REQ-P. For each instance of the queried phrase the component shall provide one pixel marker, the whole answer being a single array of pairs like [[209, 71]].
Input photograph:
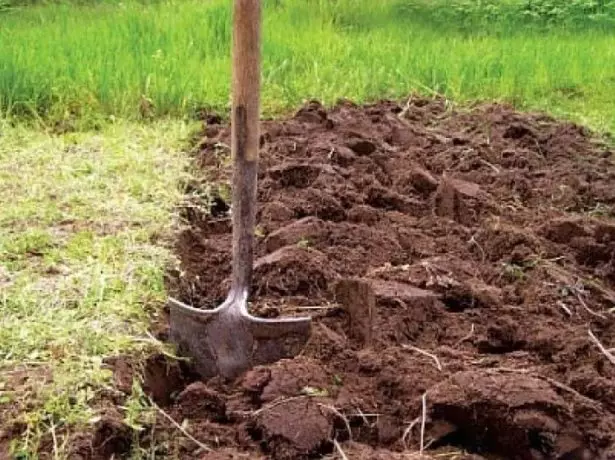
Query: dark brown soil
[[486, 241], [460, 259]]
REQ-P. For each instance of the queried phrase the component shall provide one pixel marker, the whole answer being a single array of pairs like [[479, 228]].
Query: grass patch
[[84, 217], [172, 56]]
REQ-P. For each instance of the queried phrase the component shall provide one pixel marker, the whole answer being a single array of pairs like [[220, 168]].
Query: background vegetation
[[101, 60]]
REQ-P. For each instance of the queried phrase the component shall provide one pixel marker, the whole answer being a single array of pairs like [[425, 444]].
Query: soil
[[460, 256], [459, 259]]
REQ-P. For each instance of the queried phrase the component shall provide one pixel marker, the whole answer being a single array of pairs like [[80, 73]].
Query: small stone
[[468, 189]]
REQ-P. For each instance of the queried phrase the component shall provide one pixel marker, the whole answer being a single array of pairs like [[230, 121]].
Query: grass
[[171, 57], [82, 229]]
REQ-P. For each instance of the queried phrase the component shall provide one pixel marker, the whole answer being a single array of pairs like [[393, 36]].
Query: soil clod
[[423, 181], [359, 301], [198, 402], [458, 200], [111, 437], [294, 429]]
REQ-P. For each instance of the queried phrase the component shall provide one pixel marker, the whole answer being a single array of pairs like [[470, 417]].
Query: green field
[[97, 101], [132, 60]]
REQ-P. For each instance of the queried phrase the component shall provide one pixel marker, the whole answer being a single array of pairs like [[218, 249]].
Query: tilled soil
[[486, 239]]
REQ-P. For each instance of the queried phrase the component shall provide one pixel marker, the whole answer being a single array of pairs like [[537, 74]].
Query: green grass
[[84, 65], [82, 225]]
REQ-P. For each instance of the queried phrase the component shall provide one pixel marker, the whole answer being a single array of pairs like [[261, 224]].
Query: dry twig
[[602, 348], [339, 449], [477, 244], [553, 382], [364, 416], [564, 307], [340, 415], [584, 305], [485, 162], [424, 353], [56, 452], [180, 428], [423, 418], [408, 431], [466, 337], [322, 307], [277, 403]]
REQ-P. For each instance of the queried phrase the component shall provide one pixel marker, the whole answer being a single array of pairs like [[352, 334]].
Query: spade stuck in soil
[[228, 340]]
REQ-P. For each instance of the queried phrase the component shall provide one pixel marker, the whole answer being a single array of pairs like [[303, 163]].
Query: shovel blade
[[189, 333], [229, 341]]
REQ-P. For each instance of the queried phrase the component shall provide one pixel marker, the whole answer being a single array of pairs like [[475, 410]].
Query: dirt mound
[[455, 258], [538, 420]]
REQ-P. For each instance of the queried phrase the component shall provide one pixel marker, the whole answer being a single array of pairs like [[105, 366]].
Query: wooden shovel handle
[[246, 79]]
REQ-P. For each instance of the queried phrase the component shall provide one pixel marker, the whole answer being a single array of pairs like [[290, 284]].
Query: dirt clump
[[199, 401], [111, 437], [455, 257], [284, 379], [359, 301], [292, 271], [294, 429], [538, 420]]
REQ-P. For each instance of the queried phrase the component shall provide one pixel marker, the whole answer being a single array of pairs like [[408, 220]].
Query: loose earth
[[459, 266]]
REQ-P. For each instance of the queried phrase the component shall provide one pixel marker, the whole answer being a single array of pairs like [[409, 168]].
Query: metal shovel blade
[[228, 340]]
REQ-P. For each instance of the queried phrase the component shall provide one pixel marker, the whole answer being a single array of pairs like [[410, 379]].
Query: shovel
[[228, 340]]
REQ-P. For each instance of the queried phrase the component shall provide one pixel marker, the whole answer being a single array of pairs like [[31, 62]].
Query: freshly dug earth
[[459, 266]]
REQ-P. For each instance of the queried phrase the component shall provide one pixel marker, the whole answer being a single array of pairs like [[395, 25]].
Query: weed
[[138, 414], [259, 232], [514, 271], [314, 392], [304, 243], [601, 210]]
